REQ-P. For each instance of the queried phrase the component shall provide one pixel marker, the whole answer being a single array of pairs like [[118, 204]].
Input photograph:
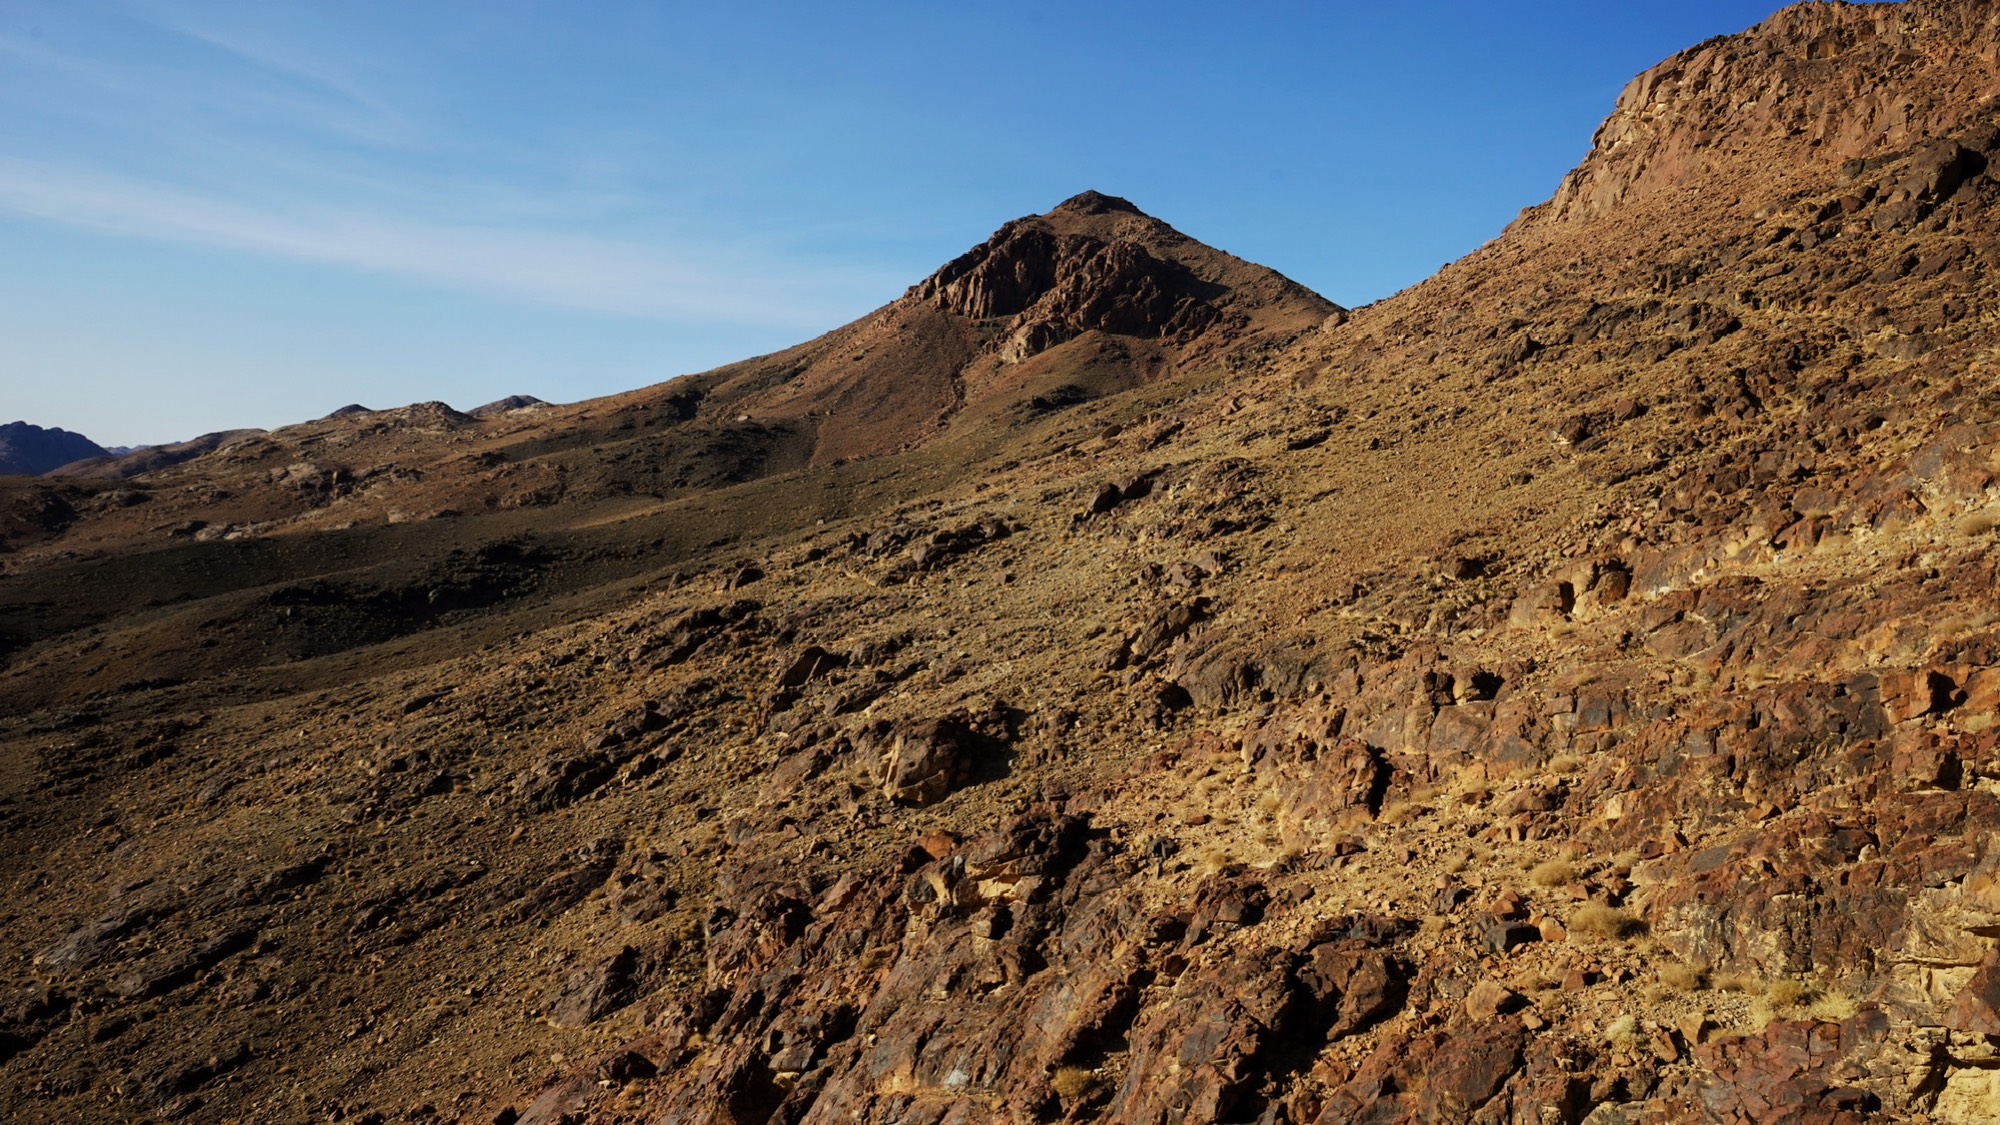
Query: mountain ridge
[[31, 450]]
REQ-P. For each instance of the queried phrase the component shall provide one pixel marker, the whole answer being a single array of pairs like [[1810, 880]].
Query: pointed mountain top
[[1089, 298], [1097, 203]]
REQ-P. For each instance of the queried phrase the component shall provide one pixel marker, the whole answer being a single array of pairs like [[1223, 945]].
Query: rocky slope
[[28, 450], [1562, 692]]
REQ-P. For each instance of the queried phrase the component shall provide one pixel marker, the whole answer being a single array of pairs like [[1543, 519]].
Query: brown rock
[[1977, 1007], [810, 664], [1911, 694], [1470, 1069], [923, 761], [1489, 999], [559, 1102], [606, 985]]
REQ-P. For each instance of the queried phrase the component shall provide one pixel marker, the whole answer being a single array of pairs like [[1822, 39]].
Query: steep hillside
[[371, 524], [1106, 685]]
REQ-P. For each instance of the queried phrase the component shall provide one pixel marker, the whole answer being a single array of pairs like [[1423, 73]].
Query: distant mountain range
[[29, 450]]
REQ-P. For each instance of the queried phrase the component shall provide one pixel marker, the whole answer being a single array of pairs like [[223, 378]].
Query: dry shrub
[[1397, 812], [1216, 858], [1073, 1081], [1565, 763], [1780, 998], [1600, 921], [1733, 982], [1553, 873], [1683, 977], [1785, 993]]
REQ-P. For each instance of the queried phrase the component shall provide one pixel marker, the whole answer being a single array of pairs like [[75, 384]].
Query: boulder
[[606, 985], [924, 760]]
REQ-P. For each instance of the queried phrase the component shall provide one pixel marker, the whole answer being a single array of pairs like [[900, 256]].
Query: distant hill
[[29, 450], [505, 405], [116, 464]]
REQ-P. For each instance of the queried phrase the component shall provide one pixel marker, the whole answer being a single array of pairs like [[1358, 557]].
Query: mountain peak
[[1097, 203], [30, 450], [1087, 299], [1055, 277]]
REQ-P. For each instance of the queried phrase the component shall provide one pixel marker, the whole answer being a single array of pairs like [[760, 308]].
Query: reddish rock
[[1490, 999], [1470, 1069], [1977, 1006]]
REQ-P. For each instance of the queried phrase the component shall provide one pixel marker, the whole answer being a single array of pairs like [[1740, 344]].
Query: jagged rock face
[[1053, 287], [1820, 83]]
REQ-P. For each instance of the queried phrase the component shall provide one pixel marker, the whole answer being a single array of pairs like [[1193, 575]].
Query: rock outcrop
[[1808, 83]]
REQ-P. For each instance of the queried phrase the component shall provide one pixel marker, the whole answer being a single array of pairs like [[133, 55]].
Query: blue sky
[[222, 214]]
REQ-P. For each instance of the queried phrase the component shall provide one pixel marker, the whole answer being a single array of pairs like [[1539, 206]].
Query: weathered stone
[[1490, 999], [1502, 937], [606, 985], [1470, 1069], [923, 761], [811, 663], [1977, 1007]]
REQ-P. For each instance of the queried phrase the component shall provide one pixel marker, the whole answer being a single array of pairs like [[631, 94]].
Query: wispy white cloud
[[316, 82], [548, 266], [287, 132]]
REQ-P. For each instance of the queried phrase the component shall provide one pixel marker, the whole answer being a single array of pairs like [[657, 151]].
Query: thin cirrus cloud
[[554, 267], [329, 83], [227, 135]]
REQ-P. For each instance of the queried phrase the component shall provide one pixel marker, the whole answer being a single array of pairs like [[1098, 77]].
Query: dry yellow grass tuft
[[1396, 812], [1600, 921], [1785, 993], [1073, 1082], [1733, 982], [1683, 977], [1216, 858], [1553, 873]]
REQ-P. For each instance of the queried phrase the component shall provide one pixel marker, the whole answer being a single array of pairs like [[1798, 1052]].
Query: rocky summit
[[1107, 684]]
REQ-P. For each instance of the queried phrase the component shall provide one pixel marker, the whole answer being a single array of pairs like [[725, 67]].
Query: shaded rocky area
[[1563, 692]]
